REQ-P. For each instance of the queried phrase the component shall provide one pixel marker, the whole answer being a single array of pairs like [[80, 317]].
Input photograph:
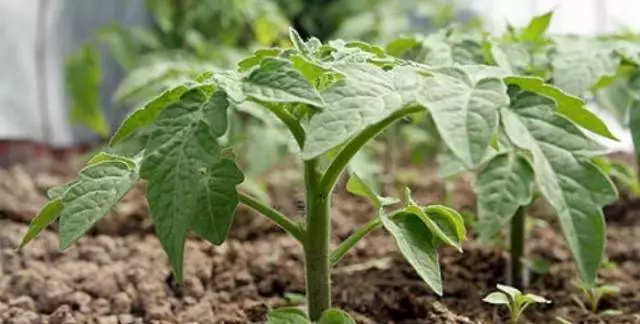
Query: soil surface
[[119, 274]]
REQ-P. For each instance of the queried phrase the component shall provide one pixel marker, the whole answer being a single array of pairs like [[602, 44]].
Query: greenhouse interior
[[319, 161]]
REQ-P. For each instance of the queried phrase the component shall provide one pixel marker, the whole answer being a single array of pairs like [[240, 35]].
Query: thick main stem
[[317, 265], [517, 271]]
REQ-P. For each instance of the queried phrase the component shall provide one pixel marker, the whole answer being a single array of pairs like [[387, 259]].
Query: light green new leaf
[[497, 298], [178, 164], [335, 316], [449, 222], [573, 185], [45, 216], [276, 80], [569, 105], [257, 57], [417, 244], [400, 46], [536, 27], [365, 96], [287, 315], [147, 113], [505, 184], [465, 111], [84, 77], [580, 64], [98, 188]]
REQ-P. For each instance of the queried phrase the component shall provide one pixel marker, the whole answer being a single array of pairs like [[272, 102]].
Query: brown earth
[[118, 274]]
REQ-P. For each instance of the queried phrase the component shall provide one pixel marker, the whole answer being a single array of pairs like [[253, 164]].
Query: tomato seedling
[[514, 299], [333, 99]]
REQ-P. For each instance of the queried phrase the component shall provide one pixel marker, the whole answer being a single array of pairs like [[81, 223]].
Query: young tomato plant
[[515, 300], [591, 296], [333, 99], [538, 146]]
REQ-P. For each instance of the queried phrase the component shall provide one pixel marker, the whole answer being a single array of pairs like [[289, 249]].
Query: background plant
[[515, 300]]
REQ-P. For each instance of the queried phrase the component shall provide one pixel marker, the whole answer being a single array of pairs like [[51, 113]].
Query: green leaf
[[336, 316], [147, 113], [84, 77], [509, 291], [358, 187], [416, 243], [45, 216], [298, 43], [98, 188], [101, 157], [257, 57], [634, 126], [503, 185], [532, 298], [59, 190], [580, 64], [399, 47], [287, 315], [465, 111], [365, 96], [497, 298], [277, 81], [569, 105], [573, 185], [536, 27], [450, 222], [190, 183]]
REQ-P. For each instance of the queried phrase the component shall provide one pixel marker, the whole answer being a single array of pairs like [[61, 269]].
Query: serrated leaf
[[277, 81], [297, 42], [503, 185], [497, 298], [98, 188], [287, 315], [336, 316], [580, 64], [47, 214], [536, 27], [569, 105], [147, 113], [465, 112], [573, 185], [365, 96], [416, 243], [84, 77], [179, 166]]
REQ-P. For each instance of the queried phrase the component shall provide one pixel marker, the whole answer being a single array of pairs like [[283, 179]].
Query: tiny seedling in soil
[[515, 300], [590, 298]]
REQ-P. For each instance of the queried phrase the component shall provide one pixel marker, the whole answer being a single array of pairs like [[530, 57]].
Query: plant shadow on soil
[[119, 274]]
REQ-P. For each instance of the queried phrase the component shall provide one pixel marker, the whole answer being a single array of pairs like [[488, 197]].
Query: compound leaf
[[366, 95], [504, 184], [572, 184], [97, 189], [569, 105], [181, 163], [465, 111]]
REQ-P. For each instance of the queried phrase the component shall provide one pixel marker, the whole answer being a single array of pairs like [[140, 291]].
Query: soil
[[119, 275]]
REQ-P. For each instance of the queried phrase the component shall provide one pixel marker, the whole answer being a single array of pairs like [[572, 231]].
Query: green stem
[[338, 165], [353, 239], [517, 270], [317, 267], [290, 121], [285, 223]]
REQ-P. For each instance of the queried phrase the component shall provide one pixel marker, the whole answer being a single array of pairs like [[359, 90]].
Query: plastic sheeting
[[35, 38]]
